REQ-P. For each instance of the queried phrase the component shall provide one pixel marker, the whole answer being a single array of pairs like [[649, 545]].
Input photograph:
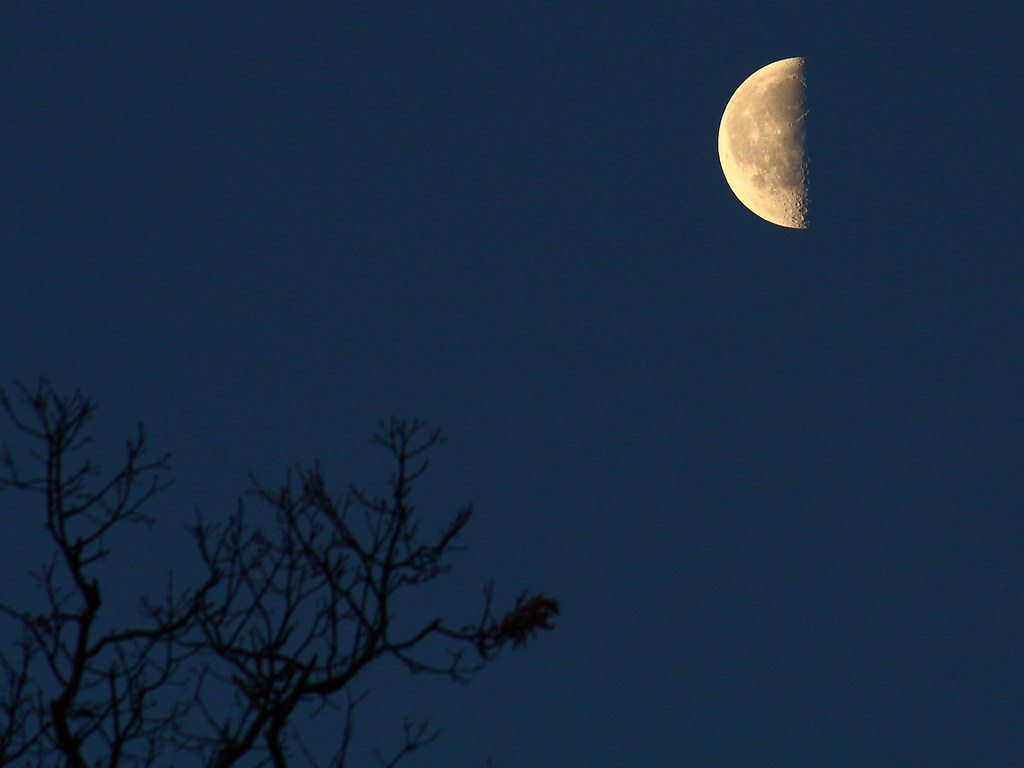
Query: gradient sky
[[773, 476]]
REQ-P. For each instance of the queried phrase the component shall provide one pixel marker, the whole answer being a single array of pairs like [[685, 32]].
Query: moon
[[761, 143]]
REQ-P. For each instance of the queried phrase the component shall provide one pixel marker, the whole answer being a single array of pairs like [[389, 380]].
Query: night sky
[[773, 476]]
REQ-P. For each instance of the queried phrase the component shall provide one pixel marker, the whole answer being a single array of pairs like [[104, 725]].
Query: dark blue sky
[[774, 476]]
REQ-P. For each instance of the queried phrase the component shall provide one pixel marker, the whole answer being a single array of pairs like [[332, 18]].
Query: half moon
[[761, 143]]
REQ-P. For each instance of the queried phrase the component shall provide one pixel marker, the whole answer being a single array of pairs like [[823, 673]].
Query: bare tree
[[74, 690], [298, 598]]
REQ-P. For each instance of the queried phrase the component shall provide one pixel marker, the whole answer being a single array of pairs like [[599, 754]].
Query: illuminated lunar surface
[[761, 143]]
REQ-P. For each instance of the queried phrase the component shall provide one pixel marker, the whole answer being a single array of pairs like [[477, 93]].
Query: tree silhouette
[[283, 621]]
